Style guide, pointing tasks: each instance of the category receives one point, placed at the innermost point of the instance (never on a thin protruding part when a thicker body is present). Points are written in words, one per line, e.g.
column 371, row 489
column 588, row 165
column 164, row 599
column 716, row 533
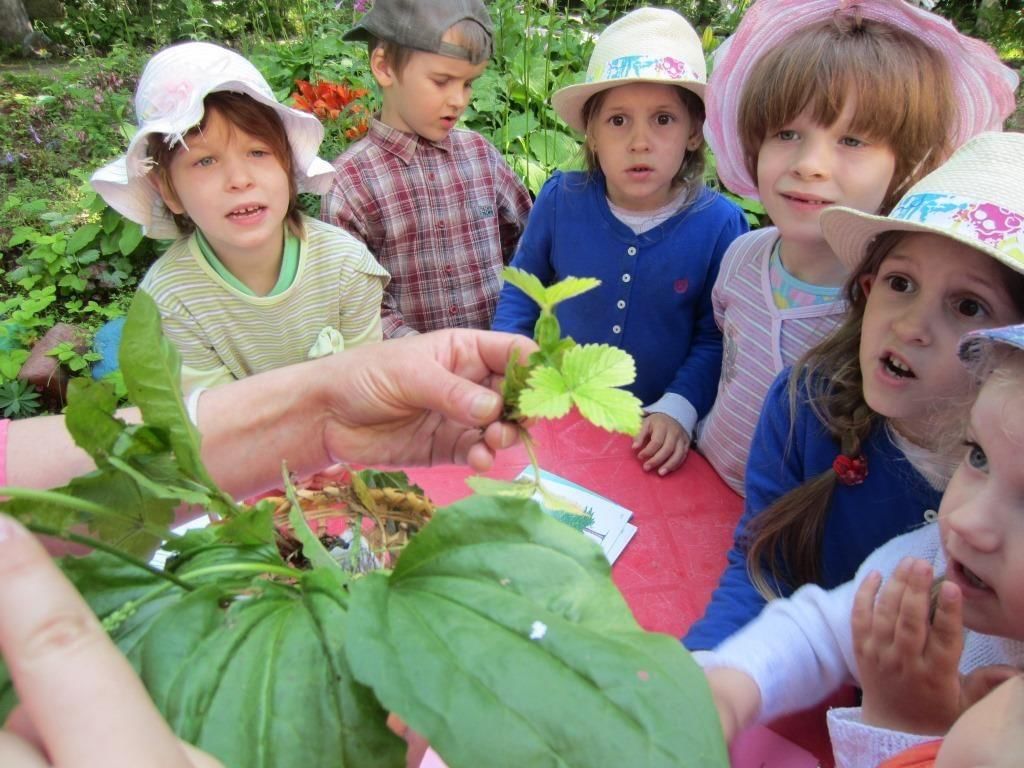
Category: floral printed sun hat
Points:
column 976, row 198
column 169, row 100
column 975, row 346
column 649, row 45
column 983, row 86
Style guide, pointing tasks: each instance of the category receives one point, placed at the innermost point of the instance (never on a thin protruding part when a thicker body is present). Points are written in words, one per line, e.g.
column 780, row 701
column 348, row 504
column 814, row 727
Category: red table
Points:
column 685, row 523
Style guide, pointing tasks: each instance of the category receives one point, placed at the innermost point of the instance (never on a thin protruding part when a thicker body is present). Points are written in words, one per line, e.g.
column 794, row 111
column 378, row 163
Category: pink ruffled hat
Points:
column 984, row 87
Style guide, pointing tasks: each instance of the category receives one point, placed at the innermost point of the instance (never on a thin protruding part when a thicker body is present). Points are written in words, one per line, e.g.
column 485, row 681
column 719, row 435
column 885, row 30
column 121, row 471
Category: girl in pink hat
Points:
column 641, row 220
column 814, row 103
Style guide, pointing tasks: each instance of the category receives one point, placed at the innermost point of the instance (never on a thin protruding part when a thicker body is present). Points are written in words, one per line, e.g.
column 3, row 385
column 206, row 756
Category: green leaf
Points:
column 498, row 614
column 312, row 549
column 569, row 288
column 528, row 283
column 515, row 489
column 151, row 367
column 598, row 365
column 546, row 396
column 82, row 237
column 130, row 238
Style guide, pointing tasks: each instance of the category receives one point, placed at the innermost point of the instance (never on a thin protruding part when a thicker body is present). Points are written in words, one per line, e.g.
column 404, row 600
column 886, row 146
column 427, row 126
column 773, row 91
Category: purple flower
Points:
column 361, row 6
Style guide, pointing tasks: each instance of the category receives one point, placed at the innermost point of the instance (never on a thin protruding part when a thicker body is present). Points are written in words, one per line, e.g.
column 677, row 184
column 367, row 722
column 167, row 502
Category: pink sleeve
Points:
column 3, row 450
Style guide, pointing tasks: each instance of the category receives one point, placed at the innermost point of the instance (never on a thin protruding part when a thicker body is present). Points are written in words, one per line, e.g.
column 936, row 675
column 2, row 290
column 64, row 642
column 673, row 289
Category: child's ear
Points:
column 166, row 192
column 696, row 139
column 866, row 282
column 381, row 68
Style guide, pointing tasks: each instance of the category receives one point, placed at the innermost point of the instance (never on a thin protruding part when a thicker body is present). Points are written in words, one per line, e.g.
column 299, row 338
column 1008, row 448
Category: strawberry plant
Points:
column 498, row 634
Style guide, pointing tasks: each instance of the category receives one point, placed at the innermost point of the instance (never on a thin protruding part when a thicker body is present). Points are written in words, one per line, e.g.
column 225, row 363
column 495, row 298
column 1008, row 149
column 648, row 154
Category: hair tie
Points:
column 851, row 470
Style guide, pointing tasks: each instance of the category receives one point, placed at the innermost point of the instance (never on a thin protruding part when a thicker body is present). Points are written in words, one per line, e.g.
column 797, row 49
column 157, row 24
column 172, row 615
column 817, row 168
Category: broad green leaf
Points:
column 527, row 282
column 312, row 548
column 82, row 237
column 547, row 396
column 151, row 367
column 598, row 365
column 501, row 638
column 130, row 238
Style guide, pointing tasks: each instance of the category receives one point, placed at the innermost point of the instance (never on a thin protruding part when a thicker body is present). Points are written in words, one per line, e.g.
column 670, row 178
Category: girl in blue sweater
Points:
column 640, row 220
column 856, row 443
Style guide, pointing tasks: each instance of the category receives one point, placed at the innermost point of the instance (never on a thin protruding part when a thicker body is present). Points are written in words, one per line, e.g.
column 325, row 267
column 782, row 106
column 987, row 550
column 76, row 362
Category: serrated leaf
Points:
column 546, row 395
column 515, row 489
column 613, row 409
column 569, row 288
column 596, row 366
column 514, row 617
column 527, row 282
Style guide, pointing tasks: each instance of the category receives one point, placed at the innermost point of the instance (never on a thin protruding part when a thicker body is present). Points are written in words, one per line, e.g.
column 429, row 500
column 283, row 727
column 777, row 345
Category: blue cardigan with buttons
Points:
column 654, row 300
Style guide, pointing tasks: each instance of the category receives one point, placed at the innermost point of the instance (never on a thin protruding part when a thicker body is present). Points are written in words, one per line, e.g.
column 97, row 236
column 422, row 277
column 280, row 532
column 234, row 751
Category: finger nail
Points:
column 483, row 405
column 9, row 529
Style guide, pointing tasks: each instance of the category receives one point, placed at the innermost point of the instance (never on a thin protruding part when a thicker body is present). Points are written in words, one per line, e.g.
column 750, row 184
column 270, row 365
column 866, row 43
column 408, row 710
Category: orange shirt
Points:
column 921, row 756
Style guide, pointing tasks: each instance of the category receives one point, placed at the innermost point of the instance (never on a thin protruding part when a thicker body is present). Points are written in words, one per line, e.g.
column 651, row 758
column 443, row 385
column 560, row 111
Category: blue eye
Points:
column 976, row 457
column 787, row 135
column 851, row 141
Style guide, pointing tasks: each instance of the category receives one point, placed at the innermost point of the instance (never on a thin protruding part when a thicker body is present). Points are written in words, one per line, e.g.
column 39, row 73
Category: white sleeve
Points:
column 797, row 651
column 857, row 745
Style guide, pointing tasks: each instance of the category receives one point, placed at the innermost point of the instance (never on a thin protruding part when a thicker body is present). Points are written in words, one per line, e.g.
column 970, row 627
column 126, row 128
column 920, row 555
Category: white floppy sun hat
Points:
column 975, row 198
column 169, row 101
column 649, row 45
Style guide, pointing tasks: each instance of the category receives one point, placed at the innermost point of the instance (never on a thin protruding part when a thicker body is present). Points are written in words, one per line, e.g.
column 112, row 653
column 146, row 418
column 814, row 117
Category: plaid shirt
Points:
column 442, row 218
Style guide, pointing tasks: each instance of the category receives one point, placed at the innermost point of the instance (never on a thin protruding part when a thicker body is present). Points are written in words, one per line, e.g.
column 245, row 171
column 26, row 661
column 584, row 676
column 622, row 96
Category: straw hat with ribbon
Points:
column 649, row 45
column 983, row 86
column 975, row 198
column 169, row 101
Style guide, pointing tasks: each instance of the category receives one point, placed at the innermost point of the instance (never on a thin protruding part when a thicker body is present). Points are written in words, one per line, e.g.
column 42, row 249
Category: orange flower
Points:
column 326, row 100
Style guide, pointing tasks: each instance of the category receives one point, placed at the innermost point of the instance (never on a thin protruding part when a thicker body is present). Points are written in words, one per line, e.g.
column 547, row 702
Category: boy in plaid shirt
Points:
column 439, row 208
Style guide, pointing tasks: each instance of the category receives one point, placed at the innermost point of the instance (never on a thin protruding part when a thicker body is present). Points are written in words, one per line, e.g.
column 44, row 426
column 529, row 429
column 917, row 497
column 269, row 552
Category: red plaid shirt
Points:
column 442, row 218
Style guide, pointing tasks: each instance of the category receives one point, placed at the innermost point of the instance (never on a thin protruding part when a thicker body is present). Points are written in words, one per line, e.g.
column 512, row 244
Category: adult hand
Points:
column 426, row 399
column 908, row 665
column 81, row 703
column 661, row 444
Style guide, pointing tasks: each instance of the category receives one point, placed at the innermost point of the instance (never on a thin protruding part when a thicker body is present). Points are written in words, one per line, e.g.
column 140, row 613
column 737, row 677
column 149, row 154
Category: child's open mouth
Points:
column 897, row 367
column 807, row 200
column 247, row 212
column 970, row 577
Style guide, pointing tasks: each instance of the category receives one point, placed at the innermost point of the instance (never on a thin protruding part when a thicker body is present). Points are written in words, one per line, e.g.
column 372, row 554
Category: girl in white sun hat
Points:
column 814, row 103
column 857, row 441
column 249, row 283
column 641, row 220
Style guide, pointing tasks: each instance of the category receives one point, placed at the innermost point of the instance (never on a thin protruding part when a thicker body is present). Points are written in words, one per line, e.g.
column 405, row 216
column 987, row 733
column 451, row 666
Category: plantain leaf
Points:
column 488, row 486
column 501, row 638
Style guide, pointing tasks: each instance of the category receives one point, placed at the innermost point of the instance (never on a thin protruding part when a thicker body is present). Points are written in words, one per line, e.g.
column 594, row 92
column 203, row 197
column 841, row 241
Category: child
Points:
column 439, row 207
column 910, row 664
column 642, row 221
column 851, row 449
column 250, row 283
column 812, row 104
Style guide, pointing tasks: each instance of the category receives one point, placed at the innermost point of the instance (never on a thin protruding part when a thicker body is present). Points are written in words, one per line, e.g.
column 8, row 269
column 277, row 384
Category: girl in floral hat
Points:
column 813, row 103
column 642, row 221
column 921, row 651
column 854, row 445
column 249, row 283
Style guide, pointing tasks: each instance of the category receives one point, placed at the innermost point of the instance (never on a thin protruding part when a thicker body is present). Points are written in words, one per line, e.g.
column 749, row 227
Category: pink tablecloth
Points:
column 685, row 521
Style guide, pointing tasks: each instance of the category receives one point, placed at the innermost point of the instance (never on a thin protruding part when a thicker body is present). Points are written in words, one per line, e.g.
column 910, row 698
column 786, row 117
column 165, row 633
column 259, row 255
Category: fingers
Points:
column 861, row 619
column 646, row 427
column 947, row 633
column 75, row 686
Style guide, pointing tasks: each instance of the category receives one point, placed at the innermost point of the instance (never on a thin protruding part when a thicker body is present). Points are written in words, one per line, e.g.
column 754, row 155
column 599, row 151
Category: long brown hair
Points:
column 784, row 542
column 249, row 116
column 902, row 87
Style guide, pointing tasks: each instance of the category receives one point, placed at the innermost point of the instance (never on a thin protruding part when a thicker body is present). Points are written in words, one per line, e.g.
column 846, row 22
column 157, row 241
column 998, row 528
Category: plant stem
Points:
column 104, row 547
column 277, row 570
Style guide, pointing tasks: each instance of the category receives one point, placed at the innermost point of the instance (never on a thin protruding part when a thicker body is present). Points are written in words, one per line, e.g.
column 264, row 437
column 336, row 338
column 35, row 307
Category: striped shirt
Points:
column 758, row 341
column 443, row 218
column 224, row 334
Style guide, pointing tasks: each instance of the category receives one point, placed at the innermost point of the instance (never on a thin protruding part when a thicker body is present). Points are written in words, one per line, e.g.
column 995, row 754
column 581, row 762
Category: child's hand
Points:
column 908, row 667
column 661, row 444
column 737, row 699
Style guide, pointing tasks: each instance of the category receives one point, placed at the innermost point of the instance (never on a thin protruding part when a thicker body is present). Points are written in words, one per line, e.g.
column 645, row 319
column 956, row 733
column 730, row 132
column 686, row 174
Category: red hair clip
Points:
column 851, row 470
